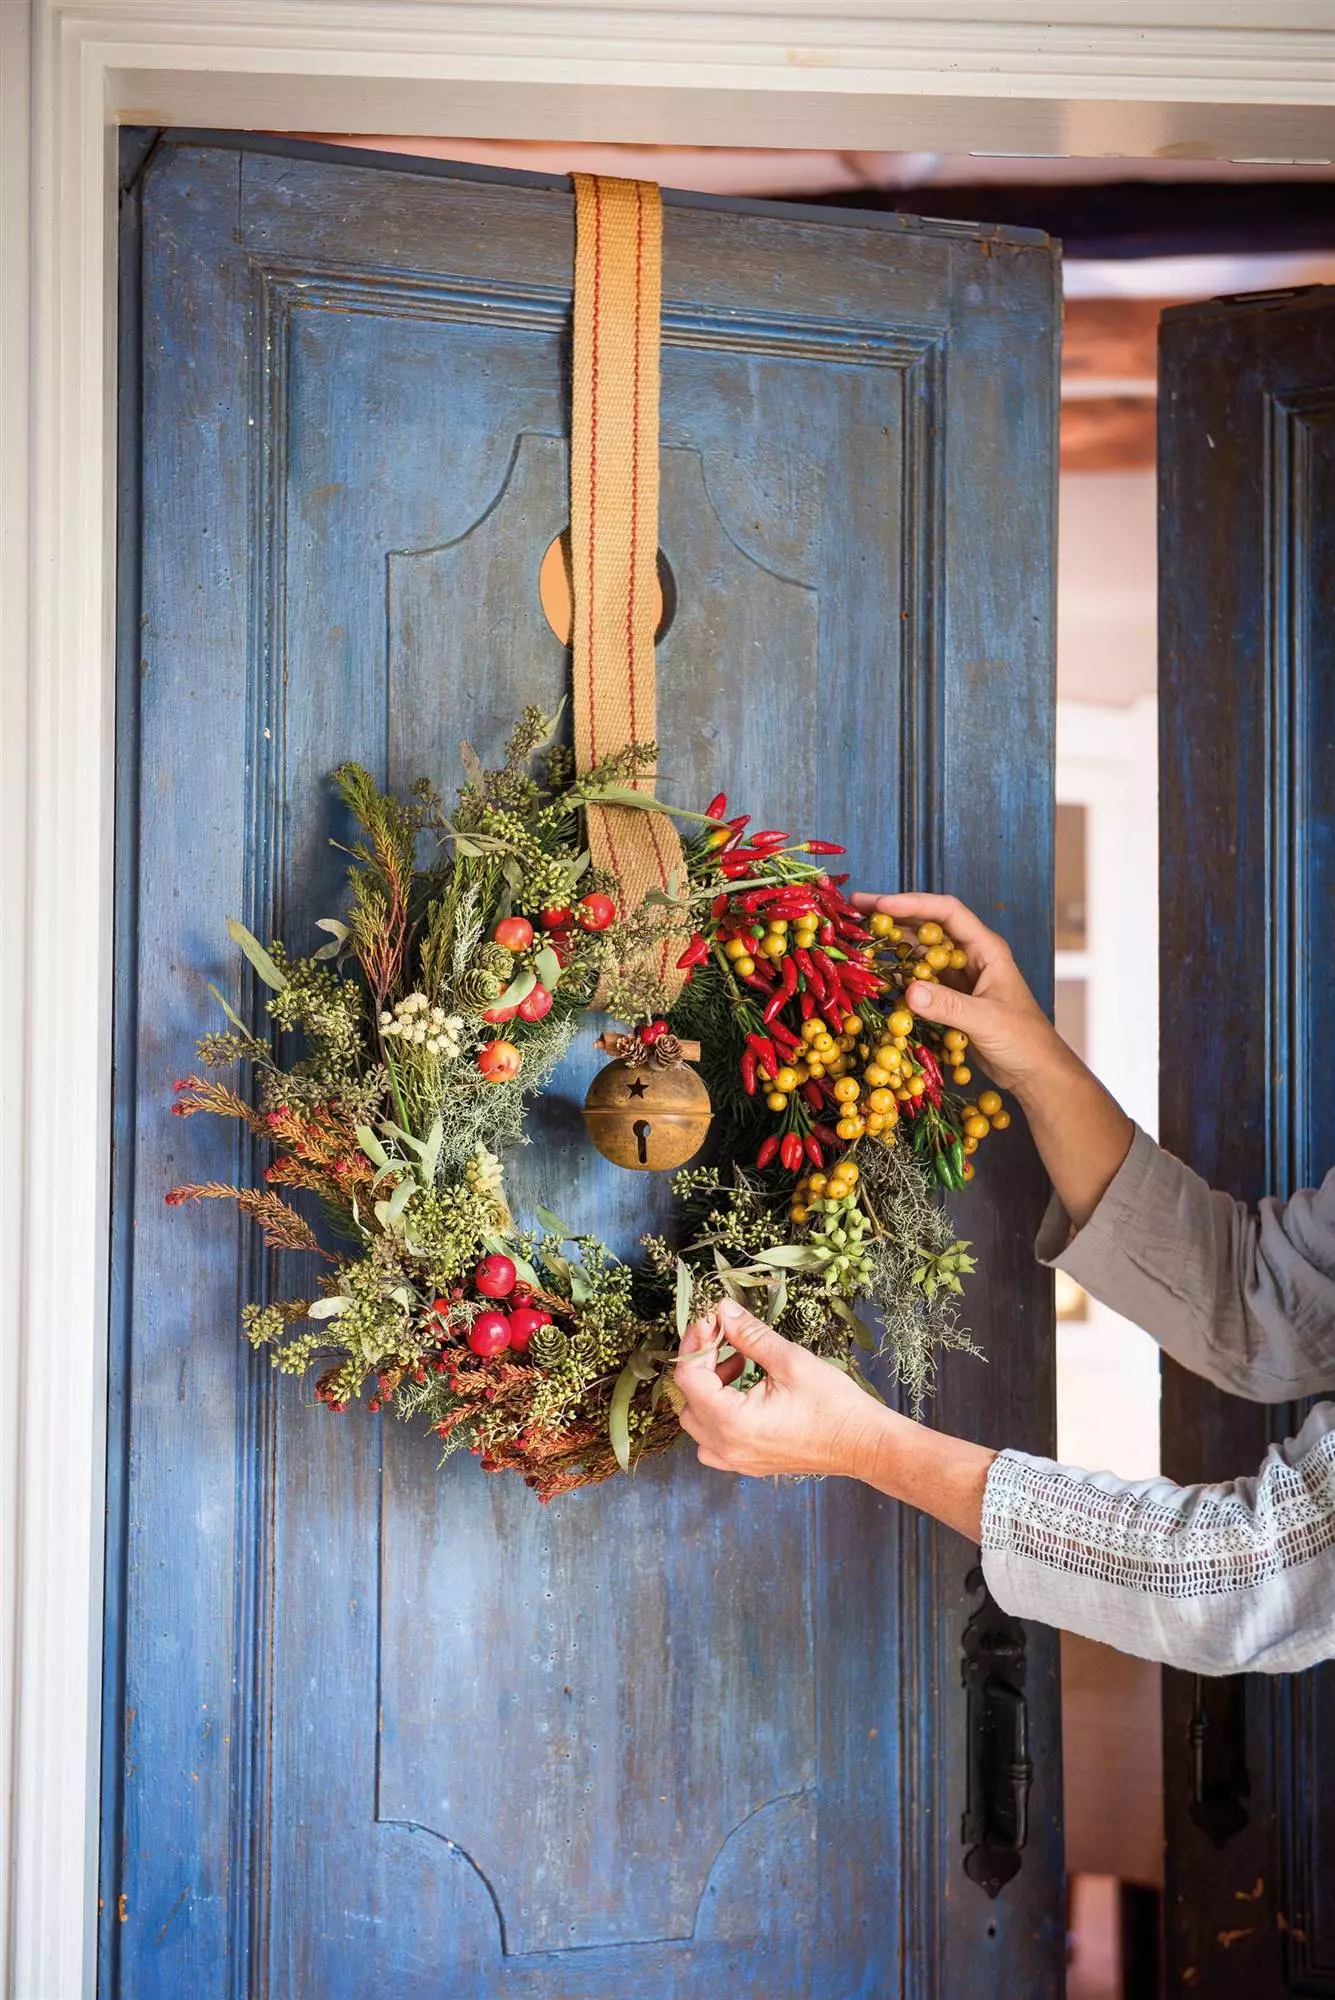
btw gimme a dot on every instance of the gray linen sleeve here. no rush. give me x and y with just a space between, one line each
1233 1578
1245 1299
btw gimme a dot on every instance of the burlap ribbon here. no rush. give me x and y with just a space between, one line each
614 521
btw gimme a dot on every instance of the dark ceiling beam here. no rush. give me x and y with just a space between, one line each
1131 218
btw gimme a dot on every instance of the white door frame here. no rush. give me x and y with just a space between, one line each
1127 76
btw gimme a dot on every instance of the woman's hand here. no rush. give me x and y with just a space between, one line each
1013 1037
1081 1131
805 1415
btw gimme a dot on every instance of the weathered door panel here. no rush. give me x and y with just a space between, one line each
389 1728
1247 666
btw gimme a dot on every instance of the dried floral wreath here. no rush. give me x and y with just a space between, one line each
440 1005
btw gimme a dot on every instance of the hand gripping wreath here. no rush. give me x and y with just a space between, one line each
403 1053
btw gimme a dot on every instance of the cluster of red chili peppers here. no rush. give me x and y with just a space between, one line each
810 1000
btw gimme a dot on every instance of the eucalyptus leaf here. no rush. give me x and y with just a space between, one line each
229 1010
618 1415
519 988
327 1308
685 1289
861 1332
399 1200
435 1139
548 968
397 1132
793 1257
472 764
338 931
581 1291
372 1147
255 952
553 1224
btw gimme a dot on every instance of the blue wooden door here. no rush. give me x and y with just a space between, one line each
1247 711
375 1728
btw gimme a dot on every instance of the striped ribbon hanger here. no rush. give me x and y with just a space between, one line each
614 520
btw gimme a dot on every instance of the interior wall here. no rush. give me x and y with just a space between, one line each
1107 582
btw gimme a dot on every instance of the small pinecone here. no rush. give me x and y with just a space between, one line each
495 958
477 991
550 1346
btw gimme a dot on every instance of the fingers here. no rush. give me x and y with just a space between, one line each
951 1009
969 931
753 1339
696 1373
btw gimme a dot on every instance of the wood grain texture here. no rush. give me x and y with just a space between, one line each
388 1728
1247 569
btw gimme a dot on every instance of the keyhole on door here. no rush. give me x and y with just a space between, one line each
642 1128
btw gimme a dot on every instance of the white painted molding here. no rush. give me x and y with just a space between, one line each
1126 76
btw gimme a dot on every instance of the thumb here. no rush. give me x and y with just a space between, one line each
751 1337
951 1009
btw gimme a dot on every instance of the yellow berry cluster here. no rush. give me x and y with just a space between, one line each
828 1053
932 954
977 1120
839 1185
770 937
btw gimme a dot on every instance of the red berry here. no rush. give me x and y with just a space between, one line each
495 1277
489 1334
653 1031
557 920
499 1014
499 1061
515 933
536 1005
596 912
524 1323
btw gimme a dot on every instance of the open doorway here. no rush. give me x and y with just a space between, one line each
1106 898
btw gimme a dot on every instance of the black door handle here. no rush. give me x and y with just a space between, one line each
1001 1771
1217 1747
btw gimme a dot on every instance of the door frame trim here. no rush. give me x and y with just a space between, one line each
73 71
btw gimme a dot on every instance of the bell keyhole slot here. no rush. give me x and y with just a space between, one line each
642 1128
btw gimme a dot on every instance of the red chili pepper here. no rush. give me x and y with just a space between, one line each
791 1151
848 929
766 1051
742 821
806 1003
734 866
717 806
774 1005
749 1064
696 952
809 972
827 932
931 1069
767 1151
766 842
826 1136
787 976
813 1151
839 880
814 1095
756 983
822 847
720 906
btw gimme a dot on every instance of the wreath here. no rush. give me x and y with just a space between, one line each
812 1147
